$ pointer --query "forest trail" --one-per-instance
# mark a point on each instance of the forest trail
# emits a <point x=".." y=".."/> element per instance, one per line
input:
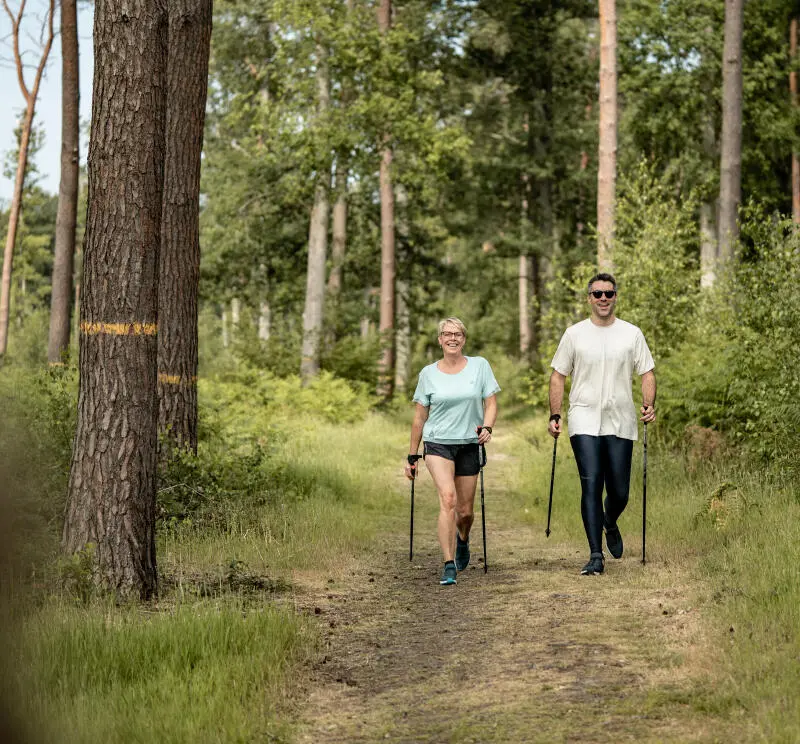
<point x="529" y="652"/>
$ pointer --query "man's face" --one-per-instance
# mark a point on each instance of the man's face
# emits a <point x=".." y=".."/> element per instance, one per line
<point x="602" y="306"/>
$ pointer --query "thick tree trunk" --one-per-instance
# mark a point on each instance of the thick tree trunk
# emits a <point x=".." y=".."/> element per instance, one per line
<point x="313" y="313"/>
<point x="30" y="97"/>
<point x="793" y="92"/>
<point x="387" y="309"/>
<point x="179" y="259"/>
<point x="730" y="181"/>
<point x="61" y="299"/>
<point x="607" y="155"/>
<point x="112" y="485"/>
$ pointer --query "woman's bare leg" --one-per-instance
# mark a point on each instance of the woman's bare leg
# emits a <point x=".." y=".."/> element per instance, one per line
<point x="442" y="471"/>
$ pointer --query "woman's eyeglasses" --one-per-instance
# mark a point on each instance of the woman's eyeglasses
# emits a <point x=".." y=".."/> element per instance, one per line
<point x="452" y="334"/>
<point x="597" y="293"/>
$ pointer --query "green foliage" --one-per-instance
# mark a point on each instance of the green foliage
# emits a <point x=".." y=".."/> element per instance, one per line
<point x="737" y="369"/>
<point x="36" y="431"/>
<point x="655" y="250"/>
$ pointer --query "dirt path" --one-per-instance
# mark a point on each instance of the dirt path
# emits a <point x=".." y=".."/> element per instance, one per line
<point x="528" y="652"/>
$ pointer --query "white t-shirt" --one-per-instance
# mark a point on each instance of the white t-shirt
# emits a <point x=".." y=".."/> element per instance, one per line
<point x="601" y="360"/>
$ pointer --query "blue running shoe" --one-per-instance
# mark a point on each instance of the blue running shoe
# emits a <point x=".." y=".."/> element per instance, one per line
<point x="449" y="574"/>
<point x="595" y="565"/>
<point x="462" y="552"/>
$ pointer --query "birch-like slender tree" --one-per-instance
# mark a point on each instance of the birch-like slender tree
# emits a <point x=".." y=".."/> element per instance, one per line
<point x="386" y="317"/>
<point x="66" y="219"/>
<point x="179" y="258"/>
<point x="112" y="485"/>
<point x="30" y="96"/>
<point x="730" y="176"/>
<point x="607" y="154"/>
<point x="317" y="238"/>
<point x="793" y="93"/>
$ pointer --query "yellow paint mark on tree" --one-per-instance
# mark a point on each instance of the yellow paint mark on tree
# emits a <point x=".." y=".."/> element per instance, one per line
<point x="119" y="329"/>
<point x="167" y="379"/>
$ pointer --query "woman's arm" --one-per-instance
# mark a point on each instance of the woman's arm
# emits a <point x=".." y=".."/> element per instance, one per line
<point x="489" y="418"/>
<point x="420" y="417"/>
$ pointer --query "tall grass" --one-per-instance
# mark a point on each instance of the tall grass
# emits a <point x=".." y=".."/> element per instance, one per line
<point x="203" y="672"/>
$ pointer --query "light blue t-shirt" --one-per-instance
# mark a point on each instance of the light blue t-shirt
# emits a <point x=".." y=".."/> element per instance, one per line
<point x="455" y="401"/>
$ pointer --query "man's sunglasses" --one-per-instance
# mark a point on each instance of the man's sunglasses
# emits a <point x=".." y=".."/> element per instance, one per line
<point x="598" y="293"/>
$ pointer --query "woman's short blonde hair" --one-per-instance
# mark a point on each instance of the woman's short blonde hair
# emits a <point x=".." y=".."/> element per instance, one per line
<point x="454" y="321"/>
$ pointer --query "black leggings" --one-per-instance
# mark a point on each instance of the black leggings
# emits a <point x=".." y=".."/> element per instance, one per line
<point x="602" y="461"/>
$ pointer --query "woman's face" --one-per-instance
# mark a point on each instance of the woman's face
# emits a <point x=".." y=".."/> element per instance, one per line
<point x="451" y="339"/>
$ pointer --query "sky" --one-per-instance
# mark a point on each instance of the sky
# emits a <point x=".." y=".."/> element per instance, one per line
<point x="48" y="104"/>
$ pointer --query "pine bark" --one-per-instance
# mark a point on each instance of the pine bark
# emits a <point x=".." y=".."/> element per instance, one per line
<point x="30" y="96"/>
<point x="313" y="313"/>
<point x="607" y="155"/>
<point x="387" y="300"/>
<point x="112" y="485"/>
<point x="179" y="259"/>
<point x="730" y="182"/>
<point x="66" y="218"/>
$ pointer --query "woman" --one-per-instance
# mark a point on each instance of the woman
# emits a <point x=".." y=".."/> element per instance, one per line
<point x="455" y="397"/>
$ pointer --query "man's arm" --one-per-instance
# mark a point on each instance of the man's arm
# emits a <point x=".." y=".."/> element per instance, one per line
<point x="648" y="397"/>
<point x="557" y="381"/>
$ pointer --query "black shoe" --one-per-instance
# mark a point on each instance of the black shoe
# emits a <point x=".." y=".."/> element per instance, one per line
<point x="614" y="541"/>
<point x="462" y="552"/>
<point x="595" y="565"/>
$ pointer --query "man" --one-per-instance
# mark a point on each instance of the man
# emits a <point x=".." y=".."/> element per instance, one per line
<point x="601" y="353"/>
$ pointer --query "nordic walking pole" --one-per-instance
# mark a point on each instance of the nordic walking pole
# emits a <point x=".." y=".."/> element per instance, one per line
<point x="482" y="456"/>
<point x="412" y="460"/>
<point x="644" y="497"/>
<point x="552" y="480"/>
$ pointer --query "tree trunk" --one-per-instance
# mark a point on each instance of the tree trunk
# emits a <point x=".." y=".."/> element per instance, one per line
<point x="386" y="324"/>
<point x="179" y="259"/>
<point x="112" y="485"/>
<point x="226" y="339"/>
<point x="730" y="182"/>
<point x="524" y="306"/>
<point x="708" y="224"/>
<point x="607" y="154"/>
<point x="313" y="313"/>
<point x="403" y="318"/>
<point x="61" y="300"/>
<point x="793" y="92"/>
<point x="30" y="97"/>
<point x="708" y="245"/>
<point x="264" y="321"/>
<point x="339" y="241"/>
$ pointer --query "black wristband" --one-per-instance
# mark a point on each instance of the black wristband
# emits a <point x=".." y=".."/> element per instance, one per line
<point x="412" y="459"/>
<point x="487" y="428"/>
<point x="555" y="417"/>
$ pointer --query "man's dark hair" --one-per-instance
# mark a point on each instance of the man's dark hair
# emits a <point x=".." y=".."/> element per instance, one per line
<point x="602" y="277"/>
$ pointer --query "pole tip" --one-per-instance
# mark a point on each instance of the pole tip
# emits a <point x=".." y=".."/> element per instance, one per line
<point x="547" y="533"/>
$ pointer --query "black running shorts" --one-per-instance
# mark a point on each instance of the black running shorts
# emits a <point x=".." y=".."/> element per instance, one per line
<point x="465" y="456"/>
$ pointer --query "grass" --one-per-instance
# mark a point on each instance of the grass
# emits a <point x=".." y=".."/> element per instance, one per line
<point x="201" y="672"/>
